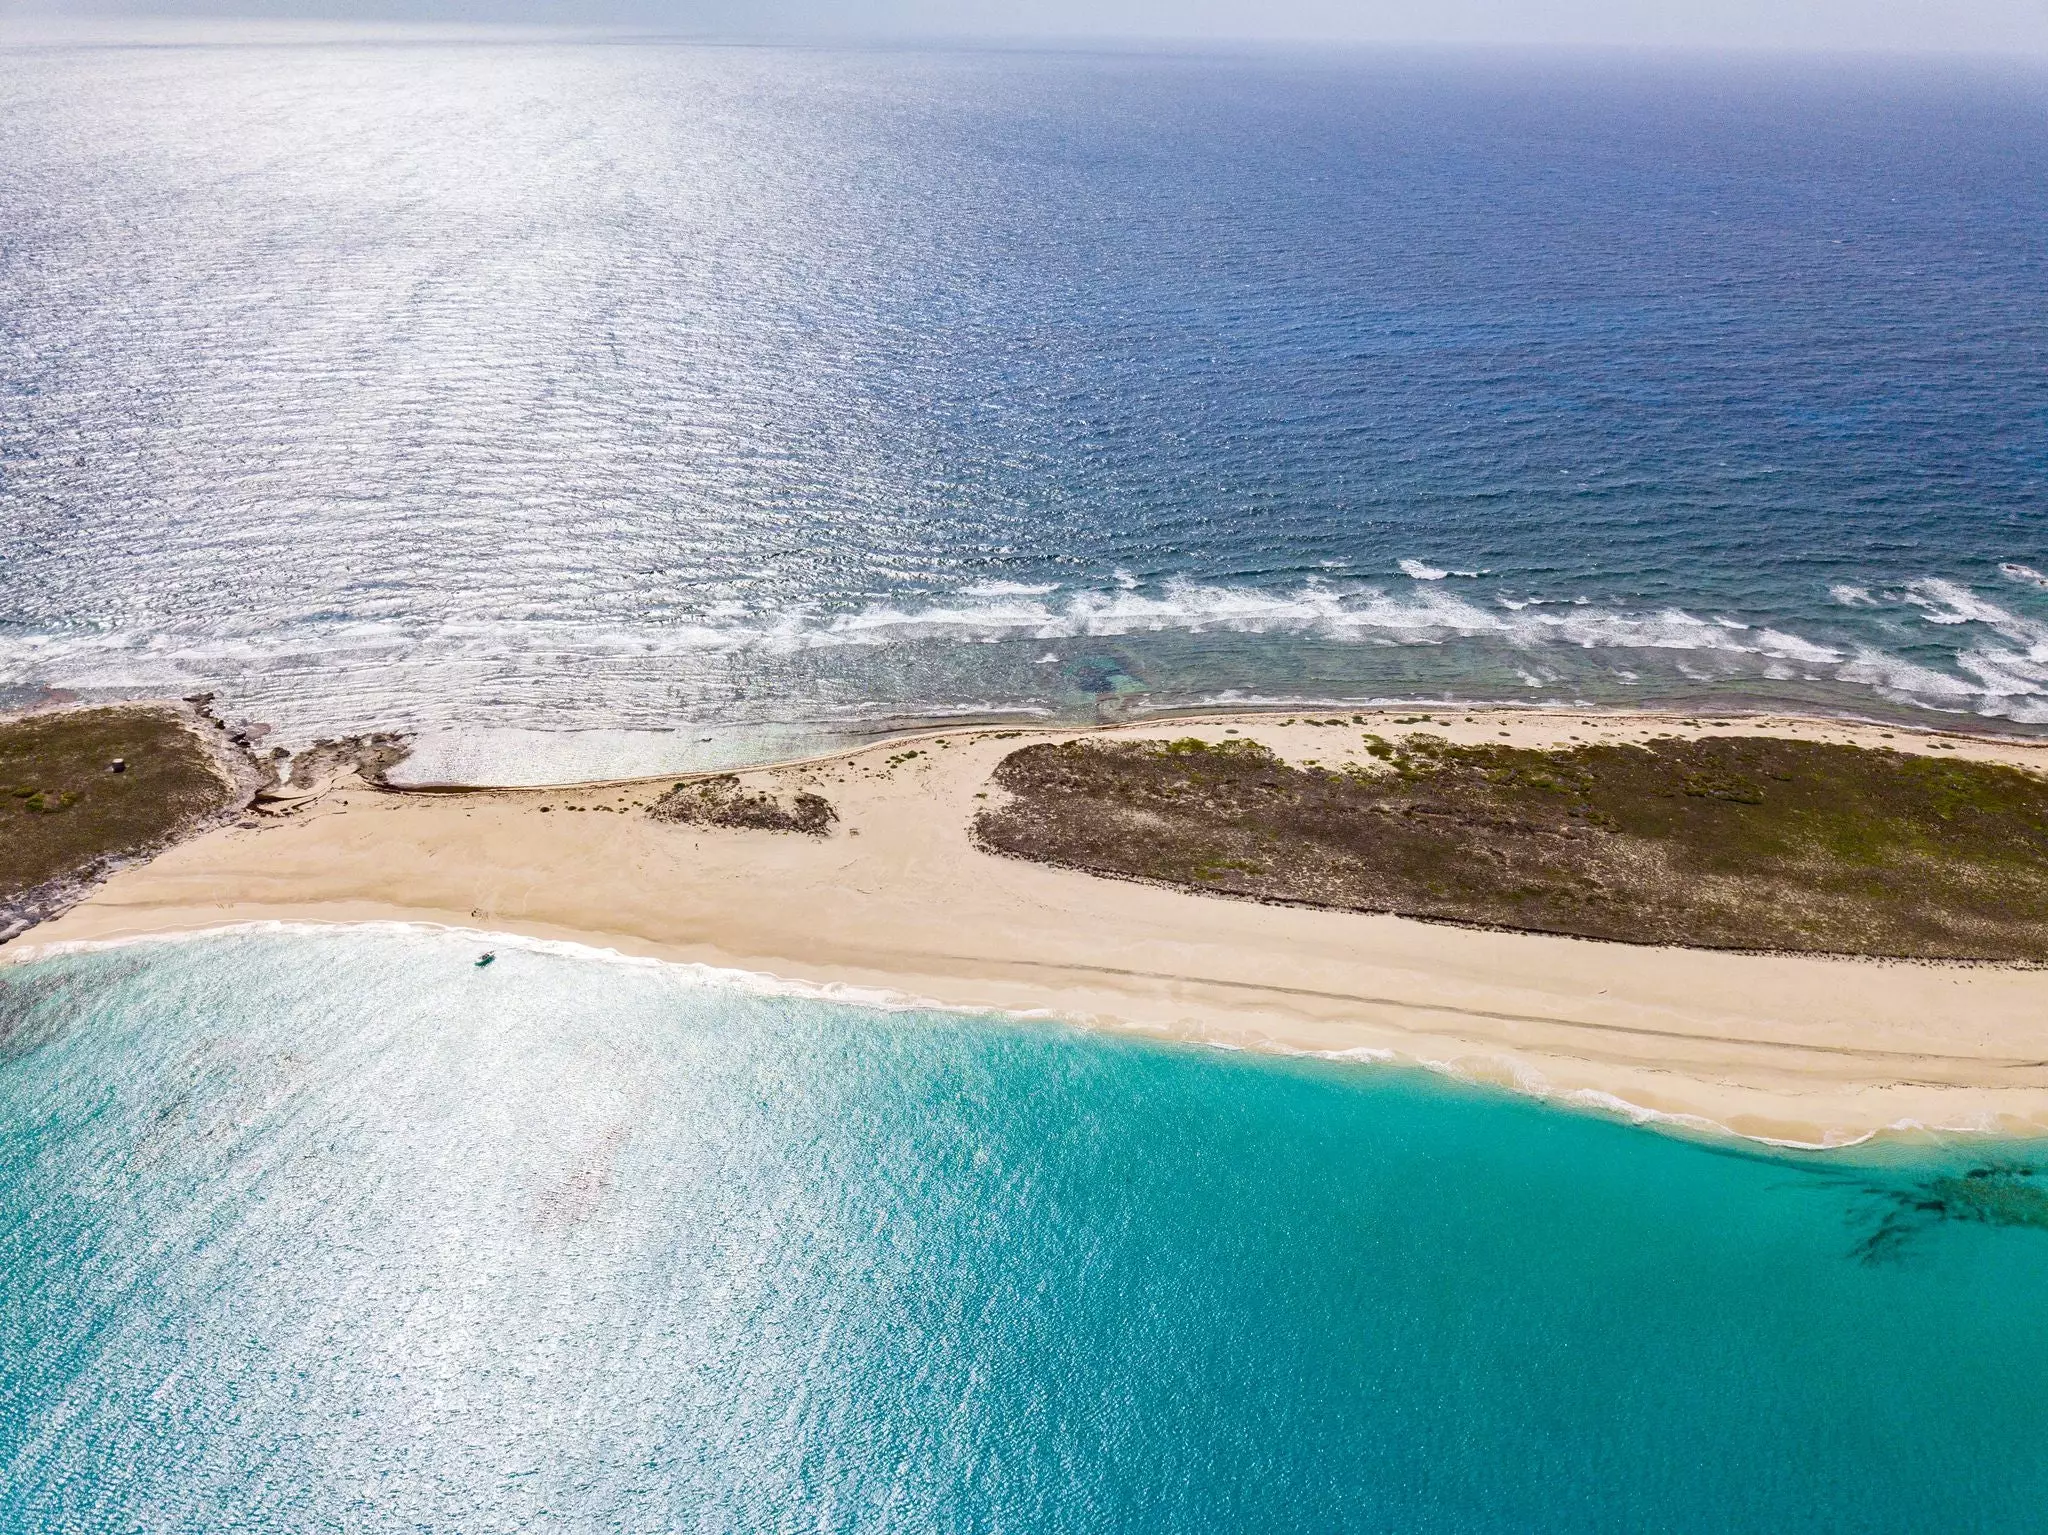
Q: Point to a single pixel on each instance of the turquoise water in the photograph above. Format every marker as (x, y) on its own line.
(336, 1231)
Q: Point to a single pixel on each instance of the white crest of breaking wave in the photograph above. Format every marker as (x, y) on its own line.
(2011, 677)
(1418, 570)
(2002, 668)
(1008, 589)
(1367, 614)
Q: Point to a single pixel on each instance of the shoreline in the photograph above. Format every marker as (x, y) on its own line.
(1792, 1050)
(1737, 716)
(600, 948)
(586, 948)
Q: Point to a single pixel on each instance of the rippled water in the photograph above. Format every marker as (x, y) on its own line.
(680, 400)
(337, 1231)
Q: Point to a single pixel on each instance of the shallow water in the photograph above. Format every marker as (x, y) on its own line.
(335, 1230)
(688, 404)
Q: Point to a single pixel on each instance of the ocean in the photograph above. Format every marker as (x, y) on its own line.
(615, 407)
(604, 407)
(306, 1230)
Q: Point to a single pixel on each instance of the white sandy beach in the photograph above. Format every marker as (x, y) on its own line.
(1795, 1049)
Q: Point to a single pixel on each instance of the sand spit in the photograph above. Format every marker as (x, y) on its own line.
(898, 899)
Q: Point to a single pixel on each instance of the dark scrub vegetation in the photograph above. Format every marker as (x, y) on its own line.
(83, 790)
(720, 801)
(1743, 842)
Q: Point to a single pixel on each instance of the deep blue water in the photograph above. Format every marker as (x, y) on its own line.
(684, 402)
(337, 1232)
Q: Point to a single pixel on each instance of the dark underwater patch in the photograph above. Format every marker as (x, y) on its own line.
(2009, 1194)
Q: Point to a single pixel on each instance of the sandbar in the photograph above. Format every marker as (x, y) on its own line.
(1799, 1050)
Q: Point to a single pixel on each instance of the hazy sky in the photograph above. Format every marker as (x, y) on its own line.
(2004, 26)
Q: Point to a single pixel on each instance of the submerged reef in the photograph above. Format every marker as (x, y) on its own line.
(1992, 1194)
(1735, 842)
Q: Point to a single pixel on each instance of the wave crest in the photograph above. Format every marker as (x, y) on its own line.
(2000, 668)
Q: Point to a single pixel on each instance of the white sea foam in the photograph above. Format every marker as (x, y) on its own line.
(1416, 570)
(1008, 589)
(2011, 678)
(1362, 613)
(2000, 662)
(2018, 572)
(1417, 616)
(1943, 602)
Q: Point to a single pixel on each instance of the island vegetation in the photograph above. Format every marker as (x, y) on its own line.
(84, 790)
(720, 801)
(1738, 842)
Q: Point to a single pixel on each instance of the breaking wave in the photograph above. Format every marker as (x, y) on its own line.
(1961, 652)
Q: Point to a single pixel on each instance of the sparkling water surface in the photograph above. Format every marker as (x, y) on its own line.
(599, 407)
(686, 403)
(336, 1231)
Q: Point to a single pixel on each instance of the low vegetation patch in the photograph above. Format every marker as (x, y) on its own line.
(721, 801)
(83, 790)
(1742, 842)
